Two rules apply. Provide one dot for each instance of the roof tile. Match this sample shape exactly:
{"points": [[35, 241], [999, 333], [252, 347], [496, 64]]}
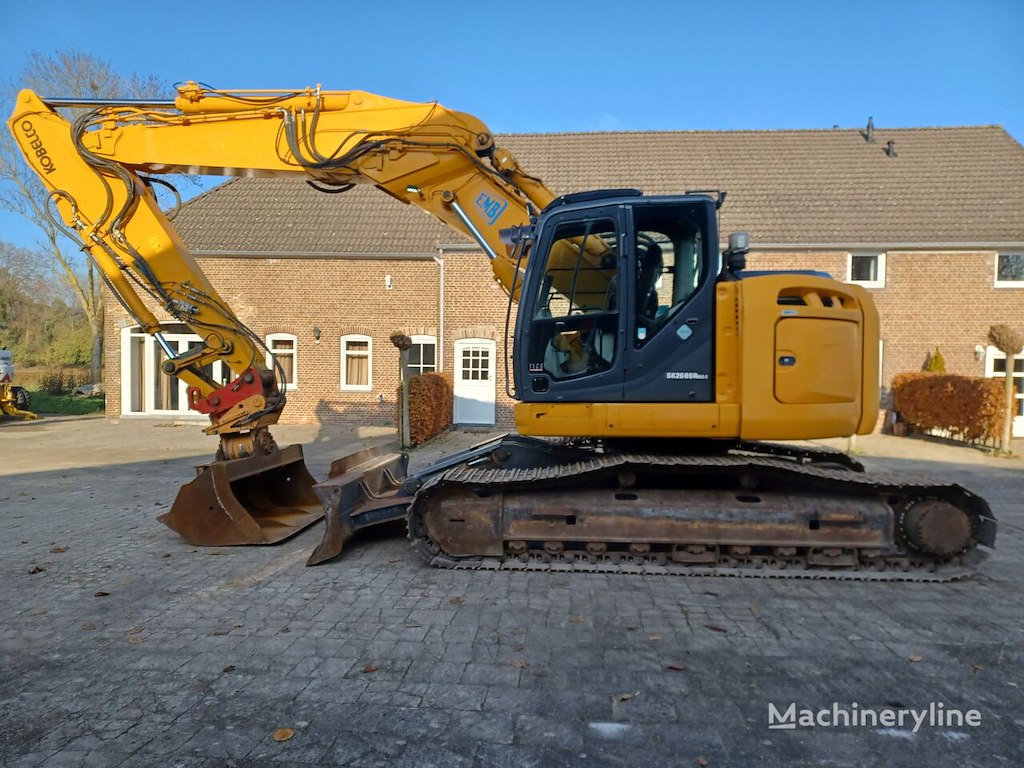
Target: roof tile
{"points": [[945, 185]]}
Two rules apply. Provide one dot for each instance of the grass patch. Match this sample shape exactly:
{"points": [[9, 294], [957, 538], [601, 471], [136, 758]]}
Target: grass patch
{"points": [[43, 402]]}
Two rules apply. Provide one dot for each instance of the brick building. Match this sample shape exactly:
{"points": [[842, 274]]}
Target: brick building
{"points": [[931, 220]]}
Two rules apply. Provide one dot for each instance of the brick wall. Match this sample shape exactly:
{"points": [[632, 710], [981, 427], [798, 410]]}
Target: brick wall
{"points": [[340, 296], [945, 300], [929, 299]]}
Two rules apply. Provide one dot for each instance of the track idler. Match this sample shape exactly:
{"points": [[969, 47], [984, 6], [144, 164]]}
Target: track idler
{"points": [[258, 499]]}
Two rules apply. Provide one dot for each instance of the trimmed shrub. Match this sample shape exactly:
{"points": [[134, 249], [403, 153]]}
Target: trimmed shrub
{"points": [[968, 407], [935, 363], [430, 406]]}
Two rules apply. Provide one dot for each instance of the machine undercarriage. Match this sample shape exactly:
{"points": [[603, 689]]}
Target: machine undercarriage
{"points": [[743, 509]]}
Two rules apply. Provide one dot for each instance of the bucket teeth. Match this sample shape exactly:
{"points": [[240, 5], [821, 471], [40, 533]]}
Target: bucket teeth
{"points": [[261, 499]]}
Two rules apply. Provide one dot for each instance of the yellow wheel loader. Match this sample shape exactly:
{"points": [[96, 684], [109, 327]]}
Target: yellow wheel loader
{"points": [[14, 401]]}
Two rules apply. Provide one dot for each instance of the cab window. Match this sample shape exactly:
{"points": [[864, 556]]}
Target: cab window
{"points": [[576, 317], [669, 266]]}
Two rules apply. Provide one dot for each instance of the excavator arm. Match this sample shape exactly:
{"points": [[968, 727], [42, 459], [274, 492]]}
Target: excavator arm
{"points": [[96, 169], [100, 168]]}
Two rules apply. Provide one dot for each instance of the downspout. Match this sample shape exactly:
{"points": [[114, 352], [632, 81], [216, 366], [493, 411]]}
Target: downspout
{"points": [[439, 260]]}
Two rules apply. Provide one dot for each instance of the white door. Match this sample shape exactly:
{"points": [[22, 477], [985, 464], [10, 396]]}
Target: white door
{"points": [[474, 381], [995, 365]]}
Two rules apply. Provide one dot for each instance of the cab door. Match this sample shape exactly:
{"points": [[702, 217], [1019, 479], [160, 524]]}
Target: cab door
{"points": [[669, 303], [569, 325]]}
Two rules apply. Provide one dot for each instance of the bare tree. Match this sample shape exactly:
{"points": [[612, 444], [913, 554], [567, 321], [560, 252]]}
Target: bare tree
{"points": [[80, 75], [1009, 342]]}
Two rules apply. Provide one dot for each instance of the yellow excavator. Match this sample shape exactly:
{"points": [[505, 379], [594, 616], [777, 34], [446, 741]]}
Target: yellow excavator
{"points": [[650, 366]]}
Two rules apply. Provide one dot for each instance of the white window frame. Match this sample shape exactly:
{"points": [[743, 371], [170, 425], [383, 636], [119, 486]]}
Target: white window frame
{"points": [[420, 339], [879, 282], [272, 337], [345, 386], [1006, 283]]}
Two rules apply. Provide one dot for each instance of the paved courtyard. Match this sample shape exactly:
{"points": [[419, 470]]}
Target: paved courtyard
{"points": [[122, 645]]}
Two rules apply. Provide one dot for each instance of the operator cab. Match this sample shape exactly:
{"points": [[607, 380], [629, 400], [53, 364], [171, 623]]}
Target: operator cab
{"points": [[618, 301]]}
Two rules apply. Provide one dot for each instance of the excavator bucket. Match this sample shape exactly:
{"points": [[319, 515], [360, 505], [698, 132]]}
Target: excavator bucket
{"points": [[363, 489], [261, 499]]}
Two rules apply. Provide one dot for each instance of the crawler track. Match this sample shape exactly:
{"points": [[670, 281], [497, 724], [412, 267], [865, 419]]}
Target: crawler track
{"points": [[756, 510]]}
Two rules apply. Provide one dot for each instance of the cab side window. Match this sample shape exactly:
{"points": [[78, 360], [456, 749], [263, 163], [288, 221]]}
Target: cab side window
{"points": [[669, 248]]}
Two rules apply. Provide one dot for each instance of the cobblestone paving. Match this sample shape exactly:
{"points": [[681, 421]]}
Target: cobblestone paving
{"points": [[121, 645]]}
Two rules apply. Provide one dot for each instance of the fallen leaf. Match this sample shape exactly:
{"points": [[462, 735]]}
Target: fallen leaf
{"points": [[58, 550], [369, 668], [229, 668], [623, 696], [518, 663], [577, 619], [283, 734], [714, 628], [88, 625], [238, 626], [518, 646], [36, 569], [455, 600], [101, 594], [219, 633], [135, 639], [913, 658], [135, 630], [284, 631], [166, 554], [654, 638], [676, 666], [702, 761], [975, 668]]}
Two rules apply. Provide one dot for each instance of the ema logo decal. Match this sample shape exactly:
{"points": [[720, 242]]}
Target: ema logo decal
{"points": [[490, 208]]}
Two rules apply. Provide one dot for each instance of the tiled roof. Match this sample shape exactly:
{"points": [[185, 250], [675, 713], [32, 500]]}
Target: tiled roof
{"points": [[944, 186]]}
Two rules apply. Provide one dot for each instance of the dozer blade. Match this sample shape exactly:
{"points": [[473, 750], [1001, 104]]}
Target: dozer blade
{"points": [[261, 499], [363, 489]]}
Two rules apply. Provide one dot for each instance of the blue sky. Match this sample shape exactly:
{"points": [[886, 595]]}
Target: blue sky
{"points": [[575, 65]]}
